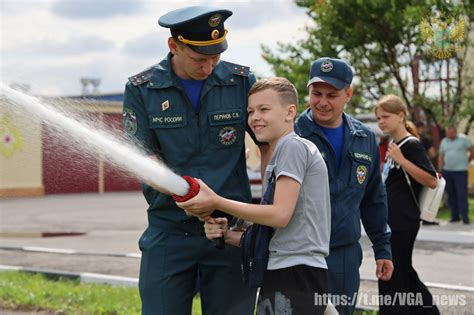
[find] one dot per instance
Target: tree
(382, 39)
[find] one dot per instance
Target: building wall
(20, 154)
(36, 159)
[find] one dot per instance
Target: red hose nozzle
(193, 190)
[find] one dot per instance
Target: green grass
(445, 214)
(26, 291)
(34, 292)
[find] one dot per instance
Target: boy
(300, 213)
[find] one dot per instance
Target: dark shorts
(293, 290)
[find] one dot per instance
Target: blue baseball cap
(335, 72)
(201, 28)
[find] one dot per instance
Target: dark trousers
(407, 294)
(456, 188)
(296, 290)
(169, 268)
(344, 278)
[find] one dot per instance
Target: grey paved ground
(113, 222)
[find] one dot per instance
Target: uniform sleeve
(135, 120)
(292, 160)
(373, 209)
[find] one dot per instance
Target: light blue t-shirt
(455, 153)
(305, 240)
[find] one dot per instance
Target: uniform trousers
(344, 278)
(170, 264)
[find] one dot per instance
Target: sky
(50, 45)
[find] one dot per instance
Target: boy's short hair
(284, 88)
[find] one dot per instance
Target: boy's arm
(276, 215)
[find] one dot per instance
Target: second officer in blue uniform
(190, 110)
(357, 192)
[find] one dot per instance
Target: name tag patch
(225, 117)
(167, 121)
(362, 156)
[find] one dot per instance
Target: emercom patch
(361, 173)
(129, 122)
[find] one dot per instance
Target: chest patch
(129, 122)
(227, 135)
(361, 173)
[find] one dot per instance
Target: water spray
(123, 155)
(96, 141)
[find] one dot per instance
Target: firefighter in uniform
(357, 192)
(190, 111)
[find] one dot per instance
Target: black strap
(406, 175)
(411, 188)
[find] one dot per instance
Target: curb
(138, 255)
(38, 234)
(440, 236)
(85, 277)
(432, 285)
(49, 250)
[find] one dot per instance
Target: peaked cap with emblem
(335, 72)
(199, 27)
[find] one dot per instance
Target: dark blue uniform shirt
(207, 145)
(357, 191)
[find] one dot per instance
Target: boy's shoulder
(296, 147)
(306, 144)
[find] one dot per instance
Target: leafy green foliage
(382, 41)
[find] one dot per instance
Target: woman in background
(406, 157)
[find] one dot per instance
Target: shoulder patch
(237, 69)
(142, 77)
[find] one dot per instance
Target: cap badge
(227, 135)
(215, 34)
(361, 173)
(165, 105)
(215, 20)
(326, 66)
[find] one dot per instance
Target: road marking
(38, 249)
(433, 285)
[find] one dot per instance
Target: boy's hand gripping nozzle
(193, 191)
